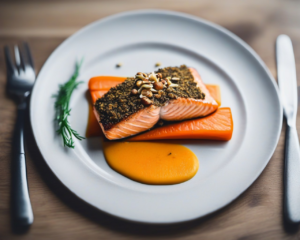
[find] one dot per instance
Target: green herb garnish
(62, 110)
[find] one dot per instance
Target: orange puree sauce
(152, 163)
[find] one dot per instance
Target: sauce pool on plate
(152, 163)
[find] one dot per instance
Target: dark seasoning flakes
(145, 90)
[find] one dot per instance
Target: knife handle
(22, 215)
(292, 175)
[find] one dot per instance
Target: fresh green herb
(62, 110)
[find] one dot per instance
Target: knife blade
(286, 72)
(298, 92)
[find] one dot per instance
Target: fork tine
(17, 56)
(20, 61)
(23, 59)
(28, 54)
(8, 60)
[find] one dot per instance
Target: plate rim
(177, 14)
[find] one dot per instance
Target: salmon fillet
(187, 108)
(134, 124)
(176, 110)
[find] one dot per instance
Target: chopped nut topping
(145, 86)
(153, 77)
(139, 83)
(147, 93)
(140, 76)
(169, 82)
(146, 101)
(153, 90)
(158, 85)
(134, 91)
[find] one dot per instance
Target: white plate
(140, 39)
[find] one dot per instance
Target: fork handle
(22, 215)
(292, 176)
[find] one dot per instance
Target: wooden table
(256, 214)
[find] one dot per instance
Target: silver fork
(20, 80)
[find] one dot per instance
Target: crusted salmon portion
(187, 108)
(138, 122)
(176, 110)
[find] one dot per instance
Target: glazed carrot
(104, 82)
(215, 92)
(97, 94)
(217, 126)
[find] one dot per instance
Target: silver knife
(286, 72)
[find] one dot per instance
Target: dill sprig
(62, 110)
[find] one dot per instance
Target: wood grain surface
(256, 214)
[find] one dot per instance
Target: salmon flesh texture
(176, 110)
